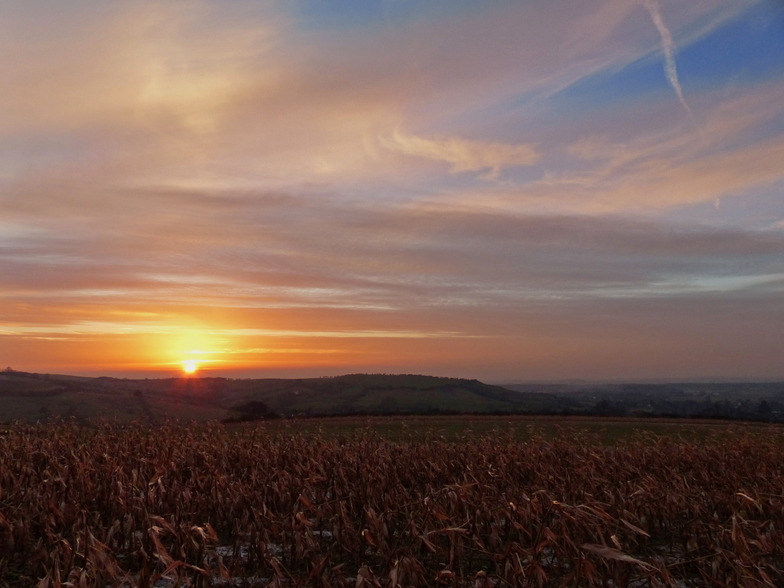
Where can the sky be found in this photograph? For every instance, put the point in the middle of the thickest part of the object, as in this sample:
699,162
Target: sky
504,190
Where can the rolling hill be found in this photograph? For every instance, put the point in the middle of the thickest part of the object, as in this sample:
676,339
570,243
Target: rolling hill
30,397
34,397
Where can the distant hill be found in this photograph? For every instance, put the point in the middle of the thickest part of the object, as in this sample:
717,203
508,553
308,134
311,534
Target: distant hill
36,397
752,401
395,394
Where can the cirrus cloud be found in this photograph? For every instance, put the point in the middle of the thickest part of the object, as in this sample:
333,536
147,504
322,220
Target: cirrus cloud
464,155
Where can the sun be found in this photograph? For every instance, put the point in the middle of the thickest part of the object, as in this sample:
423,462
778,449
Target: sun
189,366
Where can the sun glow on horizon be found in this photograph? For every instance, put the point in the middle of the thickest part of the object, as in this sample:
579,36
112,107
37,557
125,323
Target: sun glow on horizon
190,366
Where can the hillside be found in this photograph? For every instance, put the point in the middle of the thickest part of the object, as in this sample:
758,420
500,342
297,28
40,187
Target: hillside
753,401
35,397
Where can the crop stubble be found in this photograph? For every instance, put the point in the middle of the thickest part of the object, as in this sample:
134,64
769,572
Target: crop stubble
202,505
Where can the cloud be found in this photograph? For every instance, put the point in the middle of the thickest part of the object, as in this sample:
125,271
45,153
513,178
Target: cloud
221,166
658,167
253,103
464,155
290,252
668,47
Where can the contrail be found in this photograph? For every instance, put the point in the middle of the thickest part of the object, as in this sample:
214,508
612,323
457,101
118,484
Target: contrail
668,46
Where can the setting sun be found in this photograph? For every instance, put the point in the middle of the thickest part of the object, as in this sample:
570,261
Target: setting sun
294,199
189,366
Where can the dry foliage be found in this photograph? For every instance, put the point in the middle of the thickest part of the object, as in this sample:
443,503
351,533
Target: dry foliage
203,506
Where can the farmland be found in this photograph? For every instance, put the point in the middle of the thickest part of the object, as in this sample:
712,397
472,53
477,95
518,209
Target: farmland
29,397
513,501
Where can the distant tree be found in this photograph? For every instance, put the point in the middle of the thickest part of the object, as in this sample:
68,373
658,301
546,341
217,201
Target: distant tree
389,404
253,410
764,410
607,408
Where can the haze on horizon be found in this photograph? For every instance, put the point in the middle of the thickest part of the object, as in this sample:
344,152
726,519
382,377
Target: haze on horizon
497,190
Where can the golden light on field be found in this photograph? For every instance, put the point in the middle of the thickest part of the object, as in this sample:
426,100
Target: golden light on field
190,366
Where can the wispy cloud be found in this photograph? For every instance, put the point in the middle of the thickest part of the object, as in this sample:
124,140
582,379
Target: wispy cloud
670,167
668,47
304,191
464,155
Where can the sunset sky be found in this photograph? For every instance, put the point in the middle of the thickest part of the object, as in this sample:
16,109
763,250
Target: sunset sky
502,190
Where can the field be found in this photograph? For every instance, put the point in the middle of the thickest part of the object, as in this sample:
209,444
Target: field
491,501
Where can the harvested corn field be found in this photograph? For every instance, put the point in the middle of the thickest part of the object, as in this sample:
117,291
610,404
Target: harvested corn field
208,506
